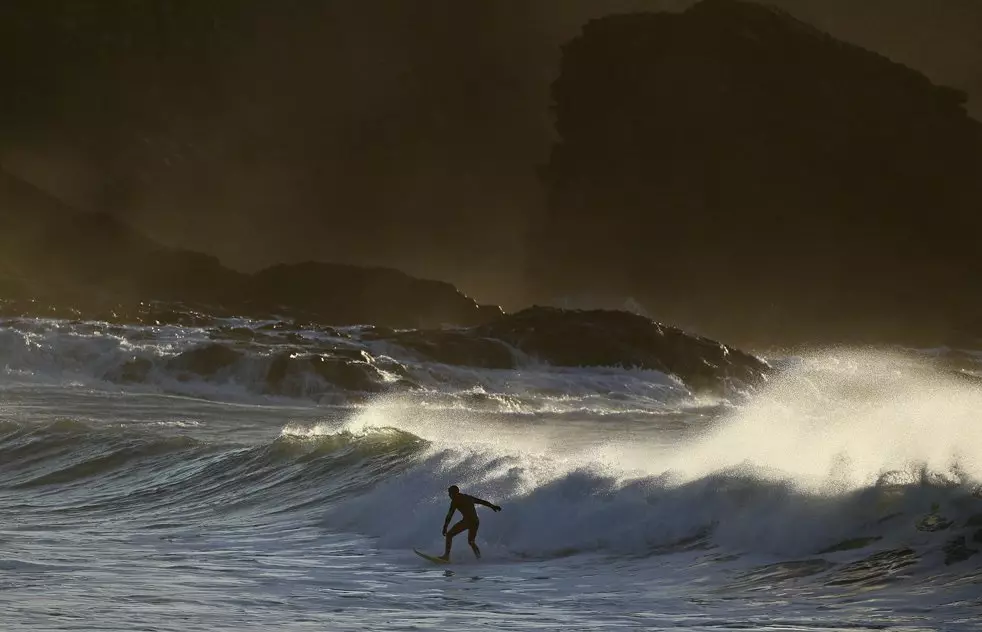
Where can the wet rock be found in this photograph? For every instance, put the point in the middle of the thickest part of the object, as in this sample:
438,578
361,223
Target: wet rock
586,338
613,338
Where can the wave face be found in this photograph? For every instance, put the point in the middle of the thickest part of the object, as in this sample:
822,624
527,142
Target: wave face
845,472
836,452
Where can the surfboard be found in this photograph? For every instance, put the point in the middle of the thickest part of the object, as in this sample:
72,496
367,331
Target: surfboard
431,558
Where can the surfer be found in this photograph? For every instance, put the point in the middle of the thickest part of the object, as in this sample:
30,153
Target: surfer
469,522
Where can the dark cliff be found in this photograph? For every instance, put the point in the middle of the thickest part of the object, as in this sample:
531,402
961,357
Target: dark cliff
740,172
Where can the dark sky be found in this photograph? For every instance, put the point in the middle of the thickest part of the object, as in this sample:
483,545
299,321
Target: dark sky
383,132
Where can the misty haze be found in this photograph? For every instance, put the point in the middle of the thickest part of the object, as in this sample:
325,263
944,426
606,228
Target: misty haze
668,309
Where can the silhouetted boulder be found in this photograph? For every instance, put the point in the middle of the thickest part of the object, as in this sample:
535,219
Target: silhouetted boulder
739,171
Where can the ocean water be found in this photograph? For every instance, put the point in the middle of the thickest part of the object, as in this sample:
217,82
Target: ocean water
147,485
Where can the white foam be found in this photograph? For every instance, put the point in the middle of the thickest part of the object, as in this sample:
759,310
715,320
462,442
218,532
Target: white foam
793,471
839,421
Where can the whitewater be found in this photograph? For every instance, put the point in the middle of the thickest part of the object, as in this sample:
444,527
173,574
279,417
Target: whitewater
201,477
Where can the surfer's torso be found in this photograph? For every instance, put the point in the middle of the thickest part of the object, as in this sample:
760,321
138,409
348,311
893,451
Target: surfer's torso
465,505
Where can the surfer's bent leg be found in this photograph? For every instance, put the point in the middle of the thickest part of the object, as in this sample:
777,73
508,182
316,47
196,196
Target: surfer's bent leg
454,530
472,536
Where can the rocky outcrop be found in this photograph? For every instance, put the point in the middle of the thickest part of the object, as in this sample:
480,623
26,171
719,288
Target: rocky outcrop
94,265
588,338
740,172
612,338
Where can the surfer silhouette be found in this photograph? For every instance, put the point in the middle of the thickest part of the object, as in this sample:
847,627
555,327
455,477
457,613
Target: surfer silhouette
469,522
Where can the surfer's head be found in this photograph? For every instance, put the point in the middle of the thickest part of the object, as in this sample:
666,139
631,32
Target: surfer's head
453,490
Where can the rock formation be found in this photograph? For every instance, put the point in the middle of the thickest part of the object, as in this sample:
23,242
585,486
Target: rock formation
593,338
740,172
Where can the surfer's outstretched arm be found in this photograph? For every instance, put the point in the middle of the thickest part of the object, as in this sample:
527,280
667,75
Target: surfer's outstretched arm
446,523
486,504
